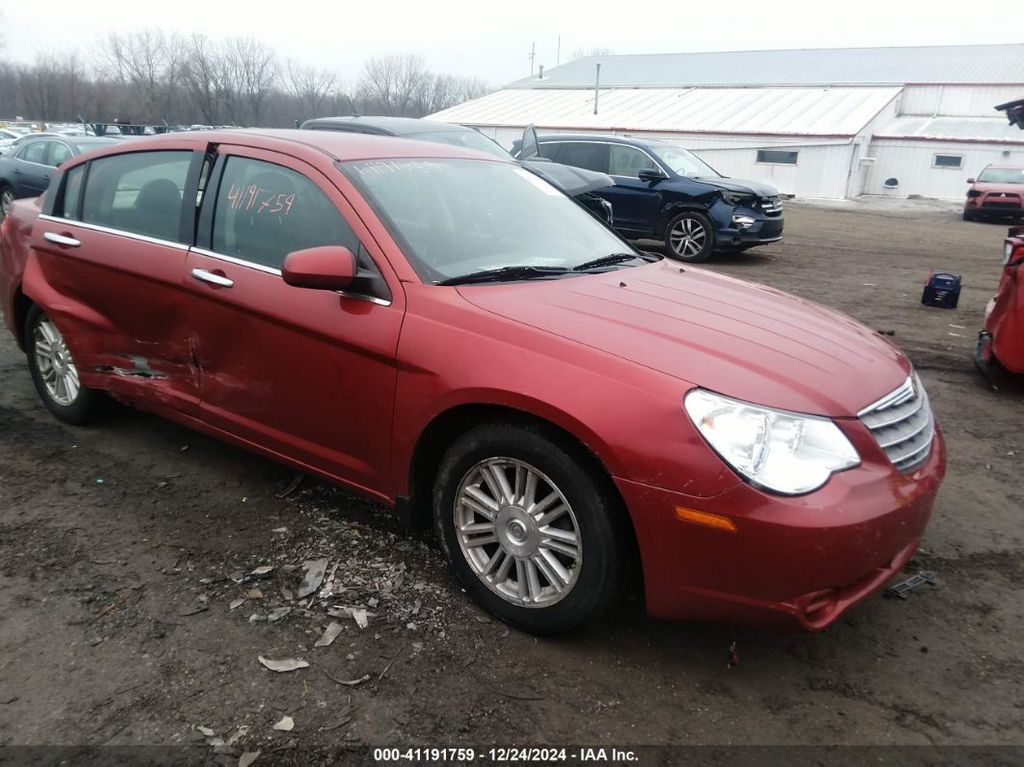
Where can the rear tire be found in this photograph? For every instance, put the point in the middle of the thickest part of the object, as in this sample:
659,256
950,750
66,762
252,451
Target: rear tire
690,237
530,530
54,372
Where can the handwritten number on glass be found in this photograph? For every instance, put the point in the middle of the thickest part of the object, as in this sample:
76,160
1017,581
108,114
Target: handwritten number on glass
259,200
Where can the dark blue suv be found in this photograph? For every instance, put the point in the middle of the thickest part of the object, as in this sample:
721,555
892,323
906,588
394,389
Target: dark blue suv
665,192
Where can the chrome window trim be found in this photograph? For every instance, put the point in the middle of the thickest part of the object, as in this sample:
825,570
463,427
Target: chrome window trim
118,232
277,272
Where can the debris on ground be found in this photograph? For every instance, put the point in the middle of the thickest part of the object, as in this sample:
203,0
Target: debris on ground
248,757
330,634
287,724
278,613
263,571
902,589
284,665
313,576
200,605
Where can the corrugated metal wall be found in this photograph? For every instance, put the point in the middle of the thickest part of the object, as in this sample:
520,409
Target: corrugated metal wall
956,100
911,163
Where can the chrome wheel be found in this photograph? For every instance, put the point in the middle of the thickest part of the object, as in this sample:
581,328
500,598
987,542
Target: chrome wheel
518,532
688,237
57,369
6,198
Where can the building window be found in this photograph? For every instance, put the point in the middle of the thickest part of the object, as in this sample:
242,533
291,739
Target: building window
777,156
954,161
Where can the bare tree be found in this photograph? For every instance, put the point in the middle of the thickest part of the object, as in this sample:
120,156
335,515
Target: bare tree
205,79
147,64
252,71
311,87
395,85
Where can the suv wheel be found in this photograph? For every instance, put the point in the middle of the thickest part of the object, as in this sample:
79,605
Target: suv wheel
527,528
689,237
54,372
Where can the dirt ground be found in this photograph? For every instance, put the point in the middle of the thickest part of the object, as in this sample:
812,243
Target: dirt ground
124,547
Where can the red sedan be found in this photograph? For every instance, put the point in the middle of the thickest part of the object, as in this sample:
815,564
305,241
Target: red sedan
447,333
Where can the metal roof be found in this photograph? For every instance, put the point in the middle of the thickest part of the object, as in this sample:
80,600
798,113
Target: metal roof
946,64
965,129
768,111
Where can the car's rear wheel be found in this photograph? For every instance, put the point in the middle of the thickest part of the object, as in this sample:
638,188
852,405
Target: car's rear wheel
529,529
690,237
54,371
6,199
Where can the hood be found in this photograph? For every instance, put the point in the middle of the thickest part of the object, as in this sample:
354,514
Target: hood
740,185
743,340
990,186
572,181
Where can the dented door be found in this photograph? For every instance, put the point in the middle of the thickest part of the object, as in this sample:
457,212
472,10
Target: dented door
109,265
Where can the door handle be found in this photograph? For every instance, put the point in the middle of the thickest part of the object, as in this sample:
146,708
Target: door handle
61,239
214,279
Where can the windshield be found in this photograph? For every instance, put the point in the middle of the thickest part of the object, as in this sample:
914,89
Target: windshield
468,138
457,217
1002,175
684,162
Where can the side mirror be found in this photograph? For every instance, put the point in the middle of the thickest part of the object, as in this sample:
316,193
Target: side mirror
652,174
330,267
970,181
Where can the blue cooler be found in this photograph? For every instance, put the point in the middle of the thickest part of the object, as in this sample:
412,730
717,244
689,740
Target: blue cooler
942,289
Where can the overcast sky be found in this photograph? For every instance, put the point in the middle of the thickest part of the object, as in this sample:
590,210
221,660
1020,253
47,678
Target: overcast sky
491,40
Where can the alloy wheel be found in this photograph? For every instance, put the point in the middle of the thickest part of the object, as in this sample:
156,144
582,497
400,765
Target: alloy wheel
688,237
517,532
57,369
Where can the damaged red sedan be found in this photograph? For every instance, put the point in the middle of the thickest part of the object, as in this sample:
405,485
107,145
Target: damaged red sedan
447,333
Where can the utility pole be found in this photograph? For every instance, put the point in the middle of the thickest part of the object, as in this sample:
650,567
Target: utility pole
532,56
558,54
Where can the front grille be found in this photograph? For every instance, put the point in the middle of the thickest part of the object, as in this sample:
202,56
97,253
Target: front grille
902,424
771,204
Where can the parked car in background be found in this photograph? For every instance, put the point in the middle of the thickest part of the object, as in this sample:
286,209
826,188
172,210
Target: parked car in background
8,134
449,334
26,170
665,192
998,191
575,182
9,145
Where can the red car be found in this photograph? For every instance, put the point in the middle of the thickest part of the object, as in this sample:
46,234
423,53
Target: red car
997,191
1002,338
449,334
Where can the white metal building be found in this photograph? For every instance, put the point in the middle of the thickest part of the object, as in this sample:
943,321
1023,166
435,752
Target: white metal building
816,123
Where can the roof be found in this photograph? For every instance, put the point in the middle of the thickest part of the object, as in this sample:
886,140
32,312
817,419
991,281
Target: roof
338,145
945,64
841,112
965,129
395,126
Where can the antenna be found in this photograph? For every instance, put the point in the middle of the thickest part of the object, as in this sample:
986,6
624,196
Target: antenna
597,85
558,52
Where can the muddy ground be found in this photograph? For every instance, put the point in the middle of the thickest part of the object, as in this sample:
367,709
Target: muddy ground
123,547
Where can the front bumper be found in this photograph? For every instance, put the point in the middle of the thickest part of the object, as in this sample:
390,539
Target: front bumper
798,561
994,205
764,230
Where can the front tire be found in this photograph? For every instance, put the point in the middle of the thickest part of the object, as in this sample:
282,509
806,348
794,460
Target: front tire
6,199
690,237
528,527
54,372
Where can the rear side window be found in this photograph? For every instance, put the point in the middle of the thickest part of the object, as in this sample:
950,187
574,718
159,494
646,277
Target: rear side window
588,155
139,193
35,152
71,199
265,211
550,149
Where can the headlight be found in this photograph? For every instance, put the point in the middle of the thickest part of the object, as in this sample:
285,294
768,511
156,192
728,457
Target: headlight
738,198
783,452
743,222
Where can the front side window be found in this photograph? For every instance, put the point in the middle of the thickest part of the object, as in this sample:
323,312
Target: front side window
60,153
265,211
139,193
35,152
628,161
456,217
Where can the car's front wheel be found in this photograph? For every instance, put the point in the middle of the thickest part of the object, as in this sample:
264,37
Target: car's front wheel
528,527
690,237
54,371
6,200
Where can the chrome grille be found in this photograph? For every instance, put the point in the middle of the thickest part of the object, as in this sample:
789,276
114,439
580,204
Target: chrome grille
771,204
902,424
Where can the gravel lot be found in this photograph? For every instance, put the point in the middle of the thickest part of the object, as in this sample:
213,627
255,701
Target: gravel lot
123,547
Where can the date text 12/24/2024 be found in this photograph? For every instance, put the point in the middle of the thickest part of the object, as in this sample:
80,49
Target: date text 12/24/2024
505,754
